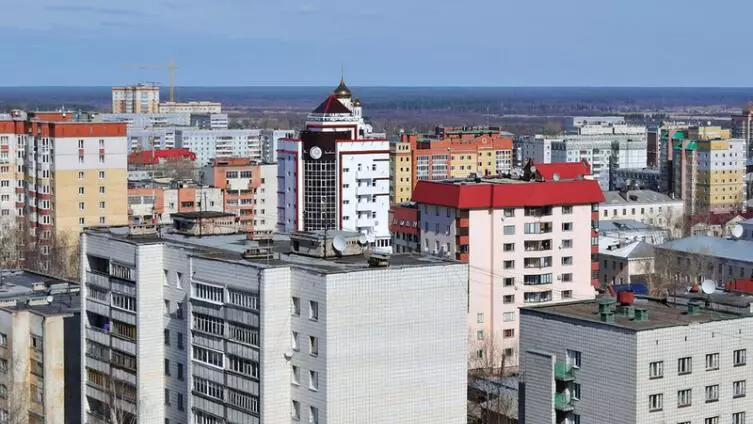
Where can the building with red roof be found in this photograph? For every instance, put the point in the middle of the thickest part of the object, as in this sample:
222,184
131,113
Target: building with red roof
563,170
156,157
526,242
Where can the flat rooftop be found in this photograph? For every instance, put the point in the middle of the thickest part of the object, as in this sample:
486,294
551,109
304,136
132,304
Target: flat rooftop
733,249
660,314
19,286
632,197
230,248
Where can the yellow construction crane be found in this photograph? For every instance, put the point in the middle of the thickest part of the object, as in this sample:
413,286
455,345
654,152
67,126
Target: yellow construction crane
171,67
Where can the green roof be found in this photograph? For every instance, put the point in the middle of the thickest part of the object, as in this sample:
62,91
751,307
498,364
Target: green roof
679,135
692,145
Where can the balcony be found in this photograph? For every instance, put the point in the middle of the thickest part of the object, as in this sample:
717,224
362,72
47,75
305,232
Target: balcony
538,263
537,246
563,403
98,280
564,371
365,206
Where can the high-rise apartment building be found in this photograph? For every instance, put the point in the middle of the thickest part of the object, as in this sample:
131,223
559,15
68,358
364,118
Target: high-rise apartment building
40,349
270,140
742,127
214,330
525,243
250,191
640,361
709,173
190,107
448,153
139,98
336,175
65,174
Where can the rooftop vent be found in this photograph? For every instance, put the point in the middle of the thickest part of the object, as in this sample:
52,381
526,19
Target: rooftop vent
694,307
626,311
641,314
607,316
605,305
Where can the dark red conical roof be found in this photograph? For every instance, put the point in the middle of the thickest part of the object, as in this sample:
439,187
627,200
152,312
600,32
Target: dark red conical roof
331,105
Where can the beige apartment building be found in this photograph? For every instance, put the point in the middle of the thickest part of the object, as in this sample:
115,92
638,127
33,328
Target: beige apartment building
138,98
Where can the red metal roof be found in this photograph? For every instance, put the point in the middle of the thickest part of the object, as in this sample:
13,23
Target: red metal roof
152,157
718,218
744,285
486,195
566,170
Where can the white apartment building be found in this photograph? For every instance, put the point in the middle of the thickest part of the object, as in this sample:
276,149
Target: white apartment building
214,330
270,140
210,121
335,176
40,349
145,120
634,363
153,138
525,243
604,151
210,144
138,98
646,206
190,107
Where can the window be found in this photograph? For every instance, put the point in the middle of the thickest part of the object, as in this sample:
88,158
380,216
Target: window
508,230
243,334
295,375
573,358
181,407
209,293
567,260
508,333
180,340
567,243
167,397
295,412
101,189
80,175
711,420
712,393
37,394
81,221
509,264
243,366
313,310
567,210
508,282
509,212
179,311
479,318
684,365
313,415
81,205
101,175
313,346
243,400
208,388
738,357
102,220
123,302
567,294
167,366
296,306
508,299
712,361
208,324
101,205
567,226
207,356
738,418
167,337
244,299
3,391
656,369
80,190
508,247
684,398
655,402
508,316
179,369
313,380
738,389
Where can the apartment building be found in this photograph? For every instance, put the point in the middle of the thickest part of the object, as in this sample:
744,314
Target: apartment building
138,98
638,178
705,257
152,138
309,334
454,152
624,262
406,228
525,243
646,206
138,121
40,349
190,107
153,202
709,173
337,174
250,191
742,127
639,361
210,121
270,140
211,144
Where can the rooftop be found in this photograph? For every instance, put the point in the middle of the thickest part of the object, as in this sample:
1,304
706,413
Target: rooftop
564,170
41,293
230,248
661,314
201,214
501,192
614,198
732,249
634,250
623,225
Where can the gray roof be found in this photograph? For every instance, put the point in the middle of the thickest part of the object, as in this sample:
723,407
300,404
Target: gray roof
19,286
622,225
230,248
613,198
737,250
660,314
634,250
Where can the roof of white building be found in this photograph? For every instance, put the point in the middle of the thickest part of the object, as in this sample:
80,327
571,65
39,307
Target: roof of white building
615,198
634,250
733,249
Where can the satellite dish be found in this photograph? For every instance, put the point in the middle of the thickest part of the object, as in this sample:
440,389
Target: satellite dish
363,239
49,299
339,243
288,354
533,168
556,177
708,286
737,231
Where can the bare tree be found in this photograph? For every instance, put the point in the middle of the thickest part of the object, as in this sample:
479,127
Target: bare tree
674,270
489,400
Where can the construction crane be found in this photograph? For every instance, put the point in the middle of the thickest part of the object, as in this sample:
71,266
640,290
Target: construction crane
170,66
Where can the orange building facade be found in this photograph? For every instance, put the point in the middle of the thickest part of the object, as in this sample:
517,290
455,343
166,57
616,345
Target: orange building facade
448,153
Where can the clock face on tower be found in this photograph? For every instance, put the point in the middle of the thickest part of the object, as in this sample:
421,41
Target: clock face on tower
315,152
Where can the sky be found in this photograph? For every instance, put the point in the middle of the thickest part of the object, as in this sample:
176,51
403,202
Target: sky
379,43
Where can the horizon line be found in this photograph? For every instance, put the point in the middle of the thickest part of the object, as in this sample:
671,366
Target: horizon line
398,86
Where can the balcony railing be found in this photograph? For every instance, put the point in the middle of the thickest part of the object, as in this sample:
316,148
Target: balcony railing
564,371
563,403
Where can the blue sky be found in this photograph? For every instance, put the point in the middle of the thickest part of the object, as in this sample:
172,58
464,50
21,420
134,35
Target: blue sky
385,42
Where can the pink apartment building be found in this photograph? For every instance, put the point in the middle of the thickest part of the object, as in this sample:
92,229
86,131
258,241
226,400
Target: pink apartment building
526,242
